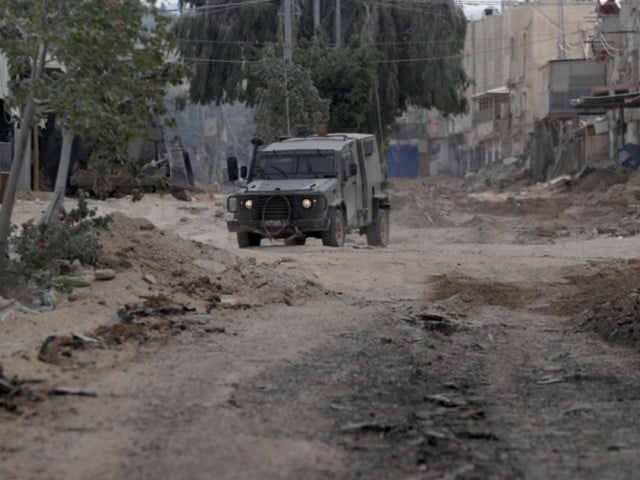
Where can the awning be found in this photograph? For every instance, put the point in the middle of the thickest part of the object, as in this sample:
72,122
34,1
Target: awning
496,92
613,98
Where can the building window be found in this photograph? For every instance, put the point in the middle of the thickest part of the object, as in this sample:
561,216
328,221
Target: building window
512,49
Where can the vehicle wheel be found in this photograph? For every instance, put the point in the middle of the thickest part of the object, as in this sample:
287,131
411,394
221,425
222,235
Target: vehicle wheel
301,240
248,239
378,232
334,237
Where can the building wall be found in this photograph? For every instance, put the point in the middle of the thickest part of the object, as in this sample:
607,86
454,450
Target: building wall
509,49
596,149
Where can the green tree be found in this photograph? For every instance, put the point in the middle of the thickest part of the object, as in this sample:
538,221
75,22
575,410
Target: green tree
219,39
100,65
415,53
346,78
285,96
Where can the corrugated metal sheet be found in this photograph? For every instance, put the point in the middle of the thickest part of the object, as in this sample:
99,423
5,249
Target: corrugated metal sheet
569,79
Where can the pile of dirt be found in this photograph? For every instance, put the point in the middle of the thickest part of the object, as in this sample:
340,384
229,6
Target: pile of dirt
602,297
617,320
425,202
595,203
594,283
512,206
160,285
497,176
600,179
473,292
599,296
185,270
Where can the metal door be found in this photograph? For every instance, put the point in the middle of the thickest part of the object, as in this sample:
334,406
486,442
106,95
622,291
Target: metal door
351,186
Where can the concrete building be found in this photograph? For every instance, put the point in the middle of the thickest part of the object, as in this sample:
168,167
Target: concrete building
615,43
505,56
423,144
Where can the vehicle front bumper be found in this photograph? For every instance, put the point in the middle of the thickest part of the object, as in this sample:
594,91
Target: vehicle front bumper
284,226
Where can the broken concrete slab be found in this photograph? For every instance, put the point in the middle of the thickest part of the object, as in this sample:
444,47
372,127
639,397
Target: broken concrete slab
210,265
104,274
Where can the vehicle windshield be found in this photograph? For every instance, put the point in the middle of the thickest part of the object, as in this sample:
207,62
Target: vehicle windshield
294,165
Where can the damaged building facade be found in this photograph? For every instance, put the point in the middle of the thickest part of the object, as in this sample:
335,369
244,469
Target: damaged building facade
526,63
555,85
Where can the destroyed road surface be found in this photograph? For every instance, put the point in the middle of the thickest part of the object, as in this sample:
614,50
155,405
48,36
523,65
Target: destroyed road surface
495,338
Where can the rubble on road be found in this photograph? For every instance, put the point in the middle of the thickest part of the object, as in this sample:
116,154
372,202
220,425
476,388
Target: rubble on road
6,307
103,274
81,392
14,392
616,320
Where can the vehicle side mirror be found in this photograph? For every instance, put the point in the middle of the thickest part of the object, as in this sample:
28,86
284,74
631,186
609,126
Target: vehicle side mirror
243,171
353,169
232,168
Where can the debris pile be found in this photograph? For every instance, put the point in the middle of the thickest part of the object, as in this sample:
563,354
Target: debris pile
14,392
617,320
154,318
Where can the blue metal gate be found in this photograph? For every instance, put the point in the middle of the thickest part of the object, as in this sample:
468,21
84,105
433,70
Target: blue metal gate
403,161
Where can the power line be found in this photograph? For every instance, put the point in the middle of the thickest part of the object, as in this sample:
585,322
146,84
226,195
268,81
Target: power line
401,60
249,43
209,8
416,59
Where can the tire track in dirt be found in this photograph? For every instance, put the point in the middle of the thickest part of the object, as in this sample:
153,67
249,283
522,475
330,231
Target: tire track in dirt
565,402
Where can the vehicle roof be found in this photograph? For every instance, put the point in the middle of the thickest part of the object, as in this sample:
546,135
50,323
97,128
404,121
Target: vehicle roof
333,141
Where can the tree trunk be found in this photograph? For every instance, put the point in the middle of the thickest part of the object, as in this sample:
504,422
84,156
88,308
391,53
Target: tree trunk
9,199
57,203
26,123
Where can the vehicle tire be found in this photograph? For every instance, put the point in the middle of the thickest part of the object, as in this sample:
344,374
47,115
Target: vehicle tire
301,240
248,239
334,237
378,232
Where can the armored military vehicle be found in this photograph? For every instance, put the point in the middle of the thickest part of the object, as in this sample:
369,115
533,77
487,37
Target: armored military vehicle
321,186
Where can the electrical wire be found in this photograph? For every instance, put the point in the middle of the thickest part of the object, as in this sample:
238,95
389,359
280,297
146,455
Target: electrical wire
405,60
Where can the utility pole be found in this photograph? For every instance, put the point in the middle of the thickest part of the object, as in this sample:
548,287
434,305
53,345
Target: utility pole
288,31
338,24
635,76
316,15
288,56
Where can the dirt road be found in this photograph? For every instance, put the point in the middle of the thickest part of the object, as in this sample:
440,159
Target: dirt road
471,348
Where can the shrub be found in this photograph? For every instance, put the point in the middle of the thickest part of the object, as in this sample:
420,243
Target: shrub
73,236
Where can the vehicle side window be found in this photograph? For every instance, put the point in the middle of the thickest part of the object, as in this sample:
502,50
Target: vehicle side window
347,159
369,147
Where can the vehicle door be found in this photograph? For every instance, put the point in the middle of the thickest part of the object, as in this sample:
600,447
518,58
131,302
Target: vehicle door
351,185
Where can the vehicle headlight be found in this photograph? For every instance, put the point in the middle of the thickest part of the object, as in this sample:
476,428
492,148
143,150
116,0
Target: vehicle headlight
307,203
248,204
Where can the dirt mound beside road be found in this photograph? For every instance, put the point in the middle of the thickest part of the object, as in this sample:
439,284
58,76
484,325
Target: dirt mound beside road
162,286
474,292
182,268
607,301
